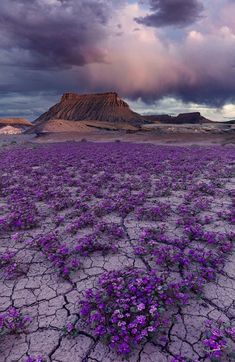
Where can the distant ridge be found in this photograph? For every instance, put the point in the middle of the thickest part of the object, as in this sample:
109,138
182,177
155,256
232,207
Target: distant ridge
229,122
15,122
10,126
182,118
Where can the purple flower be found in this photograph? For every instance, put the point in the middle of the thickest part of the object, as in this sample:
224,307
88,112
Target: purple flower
124,348
34,359
141,306
69,327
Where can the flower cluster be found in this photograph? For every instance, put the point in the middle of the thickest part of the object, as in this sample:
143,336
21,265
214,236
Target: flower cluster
58,254
175,253
153,213
180,359
12,321
114,231
129,306
102,239
92,243
21,216
35,359
216,339
8,264
85,220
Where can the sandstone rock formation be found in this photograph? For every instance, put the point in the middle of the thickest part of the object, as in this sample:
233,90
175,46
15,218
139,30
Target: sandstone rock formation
105,107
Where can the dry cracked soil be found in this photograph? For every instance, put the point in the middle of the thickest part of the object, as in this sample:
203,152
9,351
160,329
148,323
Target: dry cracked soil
51,301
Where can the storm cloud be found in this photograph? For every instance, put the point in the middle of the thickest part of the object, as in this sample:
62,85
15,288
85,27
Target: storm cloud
178,49
53,33
171,12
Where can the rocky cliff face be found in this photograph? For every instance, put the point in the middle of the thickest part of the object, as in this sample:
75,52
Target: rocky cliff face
105,107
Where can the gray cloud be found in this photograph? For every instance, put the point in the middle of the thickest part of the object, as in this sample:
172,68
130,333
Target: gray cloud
171,12
54,33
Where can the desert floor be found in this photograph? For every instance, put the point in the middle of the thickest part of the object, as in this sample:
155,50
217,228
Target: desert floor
140,137
40,177
95,135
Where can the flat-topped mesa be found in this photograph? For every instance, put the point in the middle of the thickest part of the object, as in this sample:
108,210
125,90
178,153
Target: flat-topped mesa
105,107
183,118
193,118
108,98
70,96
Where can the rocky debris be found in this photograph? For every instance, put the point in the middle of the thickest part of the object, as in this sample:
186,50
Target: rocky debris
105,107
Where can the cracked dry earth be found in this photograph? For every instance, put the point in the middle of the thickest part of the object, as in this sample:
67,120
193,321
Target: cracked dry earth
67,192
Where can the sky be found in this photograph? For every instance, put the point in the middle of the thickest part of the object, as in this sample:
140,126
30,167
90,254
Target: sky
161,56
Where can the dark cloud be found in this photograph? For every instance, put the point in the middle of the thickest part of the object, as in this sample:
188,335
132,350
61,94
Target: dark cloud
44,46
54,33
212,94
171,12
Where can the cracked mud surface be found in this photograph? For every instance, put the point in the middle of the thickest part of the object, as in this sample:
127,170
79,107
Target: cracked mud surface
91,173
